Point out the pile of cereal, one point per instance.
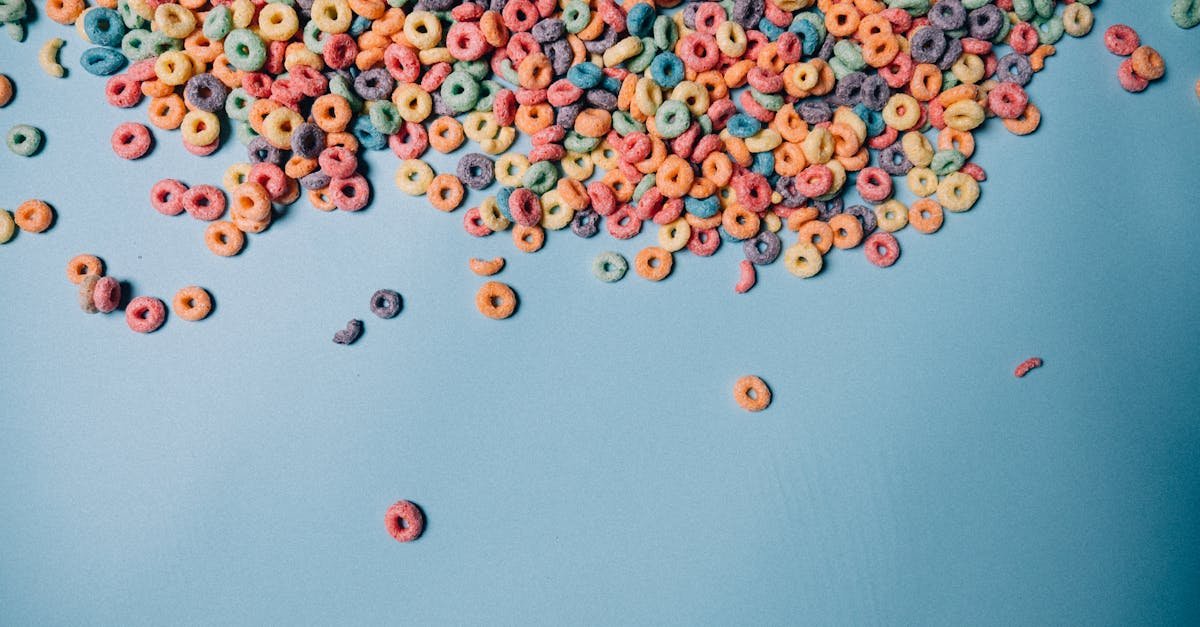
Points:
(715, 122)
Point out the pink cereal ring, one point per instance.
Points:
(123, 92)
(350, 194)
(434, 76)
(1023, 38)
(975, 171)
(747, 277)
(504, 107)
(874, 184)
(257, 84)
(1008, 100)
(1129, 79)
(467, 12)
(882, 249)
(671, 210)
(530, 97)
(525, 207)
(340, 51)
(884, 139)
(167, 197)
(202, 151)
(106, 295)
(204, 202)
(404, 521)
(145, 314)
(466, 42)
(623, 224)
(704, 242)
(603, 198)
(1121, 40)
(402, 63)
(562, 93)
(410, 142)
(338, 162)
(473, 223)
(141, 71)
(815, 180)
(271, 177)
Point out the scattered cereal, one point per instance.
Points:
(747, 277)
(33, 216)
(131, 141)
(106, 295)
(81, 266)
(24, 140)
(610, 267)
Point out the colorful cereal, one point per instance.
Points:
(486, 267)
(33, 216)
(610, 267)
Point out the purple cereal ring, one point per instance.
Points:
(131, 141)
(259, 150)
(350, 334)
(106, 296)
(87, 292)
(204, 202)
(206, 93)
(476, 170)
(386, 304)
(314, 181)
(586, 223)
(308, 140)
(763, 248)
(167, 197)
(145, 314)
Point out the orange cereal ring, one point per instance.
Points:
(528, 239)
(84, 265)
(370, 9)
(259, 112)
(33, 216)
(790, 125)
(751, 393)
(64, 11)
(332, 113)
(1148, 63)
(573, 193)
(735, 75)
(496, 300)
(446, 134)
(653, 263)
(801, 216)
(674, 177)
(737, 150)
(855, 162)
(532, 118)
(1027, 123)
(167, 112)
(818, 234)
(880, 49)
(343, 139)
(156, 89)
(298, 167)
(534, 71)
(953, 139)
(192, 303)
(226, 73)
(445, 192)
(201, 48)
(592, 123)
(250, 200)
(926, 82)
(847, 230)
(224, 239)
(484, 267)
(842, 20)
(926, 215)
(320, 199)
(619, 183)
(740, 222)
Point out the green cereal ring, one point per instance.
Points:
(385, 117)
(314, 39)
(541, 177)
(342, 86)
(624, 124)
(8, 226)
(1049, 30)
(971, 5)
(915, 8)
(135, 45)
(1024, 9)
(243, 132)
(817, 21)
(643, 59)
(13, 10)
(1044, 8)
(245, 50)
(850, 54)
(478, 68)
(727, 5)
(839, 67)
(238, 103)
(771, 102)
(666, 32)
(574, 142)
(706, 125)
(24, 140)
(949, 80)
(130, 17)
(642, 187)
(508, 72)
(218, 23)
(487, 95)
(672, 119)
(947, 161)
(460, 91)
(610, 267)
(576, 15)
(1186, 13)
(16, 30)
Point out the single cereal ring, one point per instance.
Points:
(404, 521)
(1121, 40)
(445, 192)
(33, 216)
(1027, 365)
(224, 238)
(496, 300)
(386, 304)
(106, 295)
(926, 215)
(24, 140)
(131, 141)
(483, 267)
(145, 314)
(882, 249)
(654, 263)
(192, 303)
(167, 197)
(204, 202)
(8, 227)
(81, 266)
(528, 239)
(1129, 79)
(610, 266)
(1148, 63)
(751, 392)
(6, 91)
(1186, 13)
(803, 259)
(87, 289)
(847, 230)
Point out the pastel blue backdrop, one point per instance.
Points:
(584, 462)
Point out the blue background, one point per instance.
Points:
(584, 462)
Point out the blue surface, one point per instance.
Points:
(583, 462)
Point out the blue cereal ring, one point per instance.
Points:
(102, 61)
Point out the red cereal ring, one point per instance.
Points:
(142, 70)
(123, 92)
(882, 249)
(466, 42)
(884, 139)
(704, 242)
(1120, 40)
(562, 93)
(402, 63)
(202, 151)
(473, 223)
(754, 192)
(271, 177)
(623, 224)
(521, 15)
(699, 51)
(504, 107)
(1007, 100)
(145, 314)
(350, 194)
(602, 197)
(874, 184)
(404, 521)
(257, 84)
(167, 197)
(525, 207)
(466, 12)
(975, 171)
(899, 72)
(708, 17)
(340, 51)
(434, 76)
(204, 202)
(530, 96)
(410, 141)
(338, 162)
(131, 141)
(815, 180)
(1129, 79)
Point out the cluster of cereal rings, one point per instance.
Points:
(31, 216)
(718, 122)
(1143, 65)
(144, 314)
